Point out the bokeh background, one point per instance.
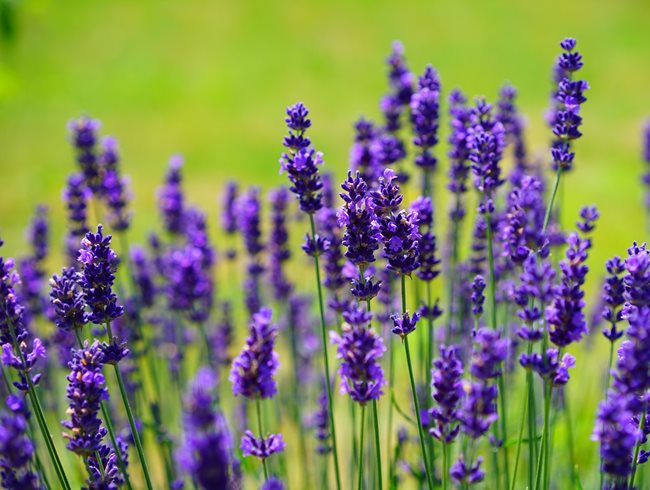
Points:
(211, 80)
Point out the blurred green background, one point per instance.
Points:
(211, 80)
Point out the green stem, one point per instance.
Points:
(452, 270)
(637, 448)
(430, 350)
(501, 384)
(362, 430)
(541, 463)
(375, 417)
(522, 424)
(129, 414)
(40, 417)
(326, 358)
(445, 464)
(416, 403)
(549, 208)
(572, 456)
(258, 408)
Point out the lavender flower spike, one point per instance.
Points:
(253, 369)
(99, 264)
(261, 447)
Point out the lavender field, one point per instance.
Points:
(451, 301)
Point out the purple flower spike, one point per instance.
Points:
(464, 474)
(300, 162)
(486, 138)
(479, 409)
(425, 106)
(459, 153)
(273, 484)
(170, 197)
(356, 215)
(16, 448)
(24, 362)
(360, 350)
(613, 291)
(404, 324)
(568, 98)
(67, 299)
(83, 134)
(261, 447)
(99, 264)
(478, 298)
(253, 369)
(206, 453)
(447, 391)
(86, 390)
(490, 350)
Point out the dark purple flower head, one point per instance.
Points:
(490, 350)
(549, 367)
(401, 80)
(38, 233)
(400, 235)
(513, 124)
(117, 196)
(67, 299)
(356, 215)
(404, 324)
(618, 436)
(589, 216)
(24, 362)
(253, 369)
(316, 246)
(459, 153)
(99, 264)
(297, 122)
(109, 157)
(76, 196)
(171, 198)
(356, 315)
(143, 273)
(366, 289)
(16, 448)
(362, 156)
(425, 107)
(360, 350)
(568, 98)
(206, 453)
(637, 279)
(478, 298)
(565, 315)
(249, 209)
(463, 474)
(106, 476)
(447, 391)
(83, 135)
(321, 422)
(333, 257)
(86, 390)
(229, 208)
(261, 447)
(424, 209)
(486, 139)
(301, 162)
(613, 298)
(479, 409)
(388, 150)
(387, 198)
(11, 311)
(279, 251)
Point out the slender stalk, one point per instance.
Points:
(326, 358)
(375, 418)
(40, 417)
(430, 349)
(549, 208)
(501, 384)
(129, 415)
(452, 270)
(541, 463)
(416, 404)
(637, 448)
(522, 424)
(258, 408)
(572, 455)
(445, 464)
(362, 430)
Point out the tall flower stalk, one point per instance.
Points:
(301, 164)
